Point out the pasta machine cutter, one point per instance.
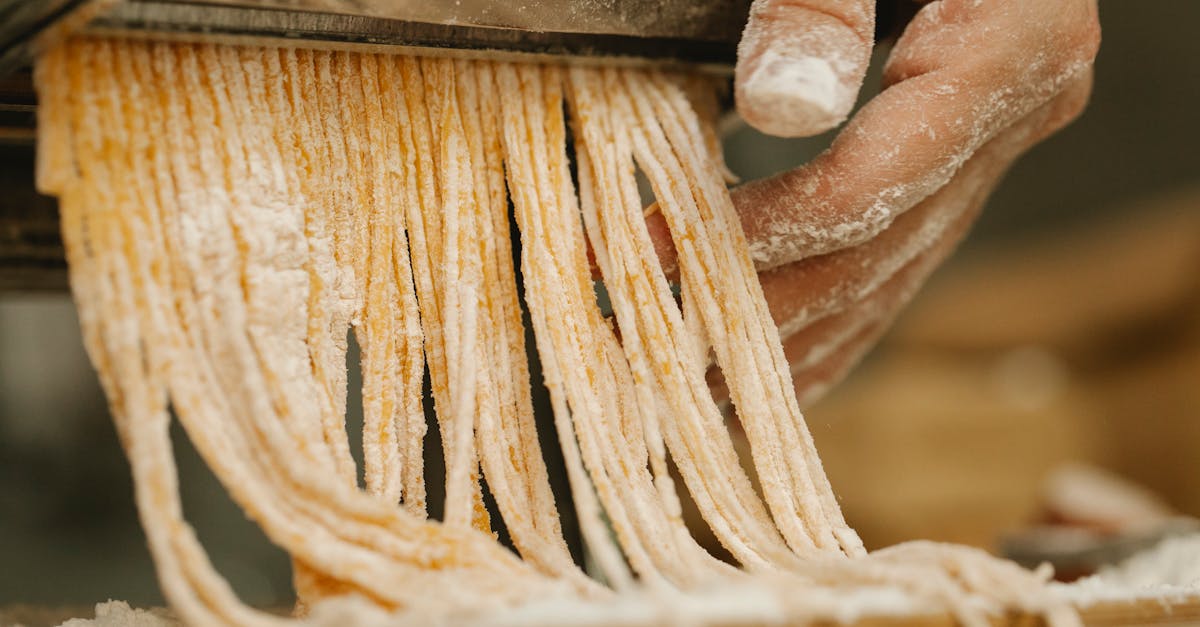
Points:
(691, 31)
(695, 33)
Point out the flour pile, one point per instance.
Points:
(1169, 570)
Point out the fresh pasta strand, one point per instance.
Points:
(230, 214)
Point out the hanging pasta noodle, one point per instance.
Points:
(230, 214)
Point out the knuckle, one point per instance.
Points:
(1060, 52)
(1079, 35)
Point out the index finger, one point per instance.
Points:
(802, 62)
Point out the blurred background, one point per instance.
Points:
(1065, 331)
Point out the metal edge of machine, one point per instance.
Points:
(693, 33)
(663, 32)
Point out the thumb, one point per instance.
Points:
(801, 63)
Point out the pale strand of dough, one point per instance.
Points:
(380, 324)
(667, 201)
(598, 391)
(350, 562)
(330, 289)
(597, 184)
(561, 303)
(595, 101)
(509, 450)
(97, 125)
(97, 233)
(334, 205)
(769, 465)
(426, 86)
(702, 91)
(151, 321)
(460, 274)
(351, 151)
(989, 577)
(450, 185)
(152, 226)
(294, 249)
(406, 372)
(306, 155)
(670, 205)
(410, 197)
(326, 507)
(136, 118)
(739, 337)
(639, 440)
(968, 600)
(700, 443)
(679, 557)
(725, 214)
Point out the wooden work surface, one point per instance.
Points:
(1145, 612)
(1177, 612)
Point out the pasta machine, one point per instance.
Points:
(695, 33)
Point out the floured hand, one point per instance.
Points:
(843, 241)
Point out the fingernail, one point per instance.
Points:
(803, 86)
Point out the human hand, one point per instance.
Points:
(844, 241)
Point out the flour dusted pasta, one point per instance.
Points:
(231, 213)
